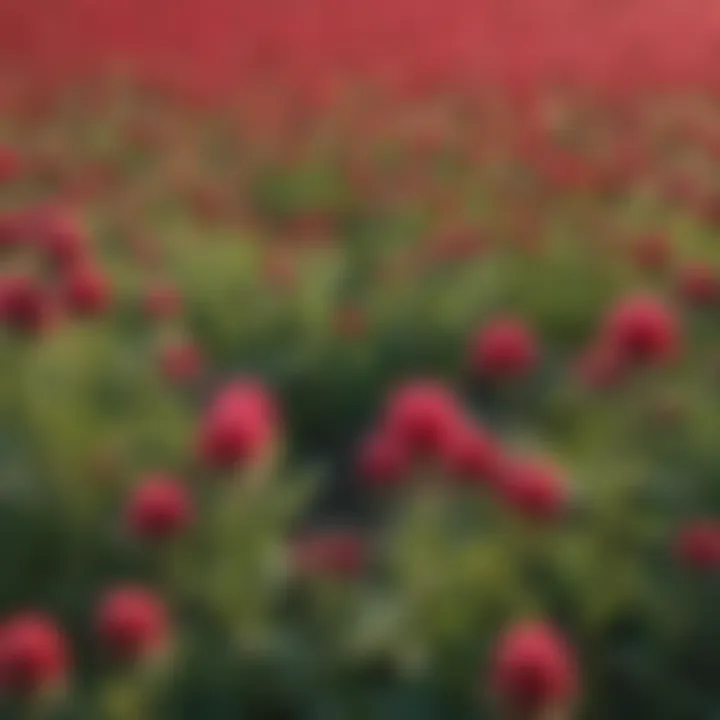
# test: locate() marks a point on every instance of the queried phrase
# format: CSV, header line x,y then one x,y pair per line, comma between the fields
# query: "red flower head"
x,y
160,508
644,330
34,654
504,350
181,362
473,456
24,305
163,302
700,285
339,554
534,669
240,427
87,291
383,460
132,623
423,416
699,545
534,488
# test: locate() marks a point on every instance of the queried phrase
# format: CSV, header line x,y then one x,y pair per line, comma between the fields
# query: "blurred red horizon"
x,y
215,49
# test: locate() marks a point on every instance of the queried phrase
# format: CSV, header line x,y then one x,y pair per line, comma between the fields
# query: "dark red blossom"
x,y
34,654
240,428
535,488
506,349
424,416
132,623
474,456
160,508
25,305
644,330
534,670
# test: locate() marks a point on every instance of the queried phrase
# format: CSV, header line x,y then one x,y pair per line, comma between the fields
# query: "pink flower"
x,y
423,416
240,427
160,508
534,669
534,488
24,304
504,350
132,623
473,456
34,654
644,330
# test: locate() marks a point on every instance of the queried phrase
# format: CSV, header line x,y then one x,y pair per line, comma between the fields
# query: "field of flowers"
x,y
359,361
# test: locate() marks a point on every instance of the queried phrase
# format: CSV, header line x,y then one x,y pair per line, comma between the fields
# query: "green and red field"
x,y
359,361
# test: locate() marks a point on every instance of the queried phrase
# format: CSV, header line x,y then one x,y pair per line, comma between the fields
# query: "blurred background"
x,y
359,360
